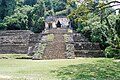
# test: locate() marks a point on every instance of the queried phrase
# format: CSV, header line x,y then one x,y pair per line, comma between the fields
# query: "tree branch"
x,y
108,4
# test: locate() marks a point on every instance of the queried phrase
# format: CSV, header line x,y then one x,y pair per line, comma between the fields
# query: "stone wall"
x,y
34,41
14,41
84,48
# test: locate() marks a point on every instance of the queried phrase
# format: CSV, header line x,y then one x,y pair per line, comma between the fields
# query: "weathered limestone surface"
x,y
50,44
84,48
14,41
57,48
68,38
33,44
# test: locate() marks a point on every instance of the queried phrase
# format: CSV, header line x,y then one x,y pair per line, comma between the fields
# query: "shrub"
x,y
63,12
37,24
111,52
3,26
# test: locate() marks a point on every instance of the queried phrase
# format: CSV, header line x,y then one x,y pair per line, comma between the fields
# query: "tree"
x,y
39,9
36,17
37,24
19,20
7,8
117,27
99,24
59,6
30,2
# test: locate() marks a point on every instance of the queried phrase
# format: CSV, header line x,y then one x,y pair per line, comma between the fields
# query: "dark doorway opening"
x,y
58,24
50,25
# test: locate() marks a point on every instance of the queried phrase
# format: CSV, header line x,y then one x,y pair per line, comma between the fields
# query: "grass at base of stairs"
x,y
17,69
106,69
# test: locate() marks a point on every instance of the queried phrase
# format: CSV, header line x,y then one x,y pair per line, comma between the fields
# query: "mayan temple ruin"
x,y
57,41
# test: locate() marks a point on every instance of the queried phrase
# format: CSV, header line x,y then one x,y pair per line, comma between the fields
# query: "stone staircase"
x,y
56,31
56,48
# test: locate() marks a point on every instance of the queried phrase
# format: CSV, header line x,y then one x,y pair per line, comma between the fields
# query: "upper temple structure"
x,y
57,22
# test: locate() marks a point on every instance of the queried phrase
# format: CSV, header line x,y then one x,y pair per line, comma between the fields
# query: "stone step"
x,y
88,53
79,38
13,49
57,31
87,46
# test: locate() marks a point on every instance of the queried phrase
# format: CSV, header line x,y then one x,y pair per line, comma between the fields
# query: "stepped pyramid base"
x,y
56,45
84,48
60,44
89,53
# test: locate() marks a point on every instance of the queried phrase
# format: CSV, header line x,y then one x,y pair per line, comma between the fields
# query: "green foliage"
x,y
49,13
97,23
111,52
25,17
30,14
59,6
3,26
48,4
30,2
36,18
100,70
117,27
63,13
6,8
16,22
39,9
73,5
79,15
19,3
37,24
19,20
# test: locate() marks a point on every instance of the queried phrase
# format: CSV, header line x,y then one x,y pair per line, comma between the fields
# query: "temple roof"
x,y
53,18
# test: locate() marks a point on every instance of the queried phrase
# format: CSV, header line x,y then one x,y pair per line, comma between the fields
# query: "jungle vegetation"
x,y
99,23
30,14
96,20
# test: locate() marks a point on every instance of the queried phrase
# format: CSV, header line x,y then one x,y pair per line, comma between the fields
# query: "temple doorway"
x,y
49,25
58,24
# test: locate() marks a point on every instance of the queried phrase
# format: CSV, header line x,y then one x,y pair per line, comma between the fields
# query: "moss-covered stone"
x,y
50,37
70,31
66,37
69,51
40,51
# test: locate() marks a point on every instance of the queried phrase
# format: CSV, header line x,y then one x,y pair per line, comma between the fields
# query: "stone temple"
x,y
57,41
52,22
